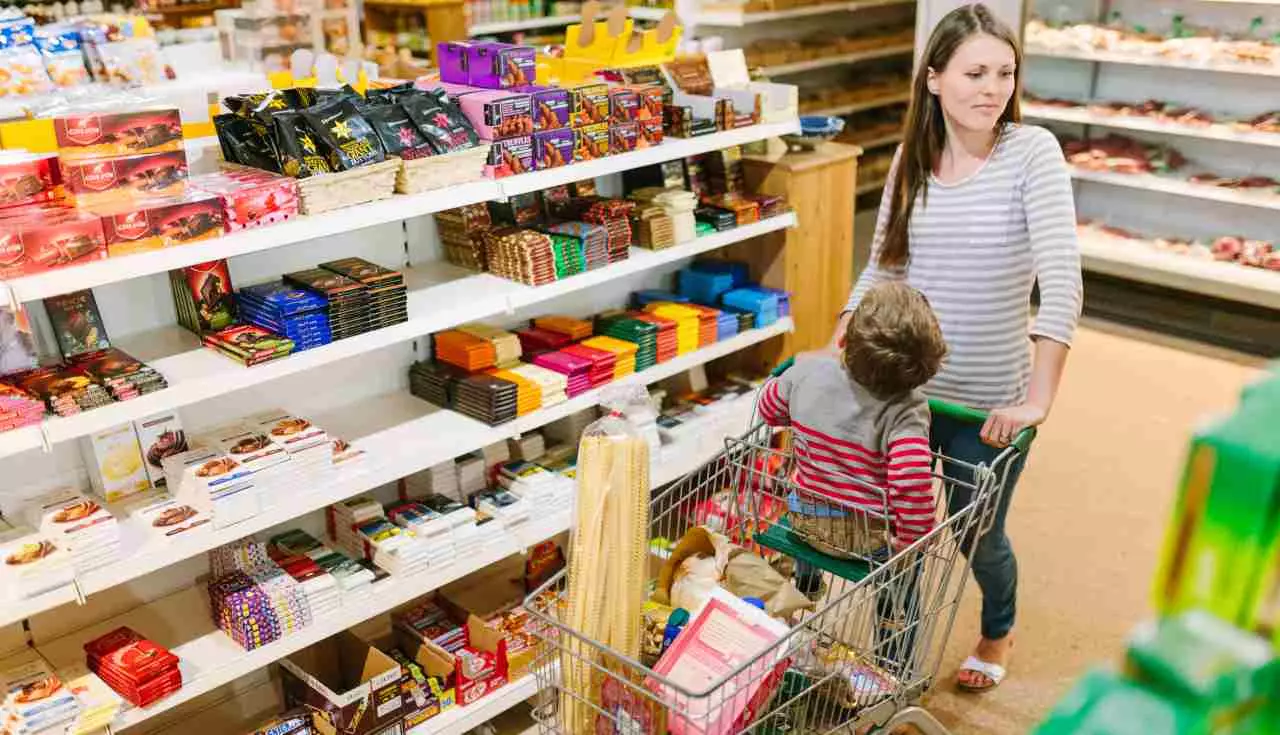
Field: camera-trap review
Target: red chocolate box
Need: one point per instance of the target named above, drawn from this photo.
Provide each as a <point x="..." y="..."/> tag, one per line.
<point x="105" y="134"/>
<point x="251" y="198"/>
<point x="29" y="179"/>
<point x="110" y="180"/>
<point x="41" y="243"/>
<point x="159" y="223"/>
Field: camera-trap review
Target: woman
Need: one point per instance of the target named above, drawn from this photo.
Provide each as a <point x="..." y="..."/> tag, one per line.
<point x="978" y="208"/>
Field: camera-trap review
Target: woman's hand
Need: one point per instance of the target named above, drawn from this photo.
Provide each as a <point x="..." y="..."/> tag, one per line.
<point x="1003" y="424"/>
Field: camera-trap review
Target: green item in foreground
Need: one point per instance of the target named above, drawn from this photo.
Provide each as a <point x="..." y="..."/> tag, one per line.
<point x="1102" y="703"/>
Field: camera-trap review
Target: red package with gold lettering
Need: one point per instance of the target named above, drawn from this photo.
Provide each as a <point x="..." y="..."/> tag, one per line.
<point x="27" y="178"/>
<point x="49" y="239"/>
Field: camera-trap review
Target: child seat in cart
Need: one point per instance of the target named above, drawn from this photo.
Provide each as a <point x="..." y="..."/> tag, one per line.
<point x="858" y="661"/>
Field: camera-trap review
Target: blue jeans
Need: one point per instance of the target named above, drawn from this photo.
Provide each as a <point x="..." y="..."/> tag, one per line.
<point x="994" y="566"/>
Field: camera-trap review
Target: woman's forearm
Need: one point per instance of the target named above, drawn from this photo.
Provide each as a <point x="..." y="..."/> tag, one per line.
<point x="1048" y="362"/>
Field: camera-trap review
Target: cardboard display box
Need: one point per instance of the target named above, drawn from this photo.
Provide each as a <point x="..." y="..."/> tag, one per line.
<point x="350" y="687"/>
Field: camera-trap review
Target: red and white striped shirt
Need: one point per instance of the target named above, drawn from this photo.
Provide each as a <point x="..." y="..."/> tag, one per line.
<point x="853" y="448"/>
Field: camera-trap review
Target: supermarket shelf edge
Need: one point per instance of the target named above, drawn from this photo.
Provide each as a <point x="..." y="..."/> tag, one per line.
<point x="1179" y="187"/>
<point x="853" y="58"/>
<point x="732" y="19"/>
<point x="871" y="104"/>
<point x="1218" y="131"/>
<point x="1111" y="57"/>
<point x="527" y="24"/>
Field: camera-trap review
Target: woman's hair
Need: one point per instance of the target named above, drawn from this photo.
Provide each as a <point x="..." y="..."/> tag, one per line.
<point x="925" y="133"/>
<point x="893" y="344"/>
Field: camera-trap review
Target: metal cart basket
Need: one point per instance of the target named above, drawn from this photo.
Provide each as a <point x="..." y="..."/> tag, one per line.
<point x="861" y="659"/>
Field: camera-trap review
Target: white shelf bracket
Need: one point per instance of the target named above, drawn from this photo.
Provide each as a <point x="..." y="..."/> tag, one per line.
<point x="45" y="445"/>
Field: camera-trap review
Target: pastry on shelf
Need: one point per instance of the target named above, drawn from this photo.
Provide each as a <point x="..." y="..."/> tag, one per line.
<point x="1119" y="154"/>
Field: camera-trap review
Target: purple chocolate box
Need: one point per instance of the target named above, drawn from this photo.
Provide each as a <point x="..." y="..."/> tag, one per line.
<point x="500" y="65"/>
<point x="511" y="157"/>
<point x="550" y="107"/>
<point x="552" y="148"/>
<point x="452" y="58"/>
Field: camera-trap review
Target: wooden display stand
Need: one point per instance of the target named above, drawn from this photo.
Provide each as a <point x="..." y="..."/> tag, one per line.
<point x="814" y="260"/>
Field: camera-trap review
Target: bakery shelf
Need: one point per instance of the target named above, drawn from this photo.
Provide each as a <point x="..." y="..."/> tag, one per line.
<point x="1137" y="261"/>
<point x="1111" y="57"/>
<point x="671" y="149"/>
<point x="393" y="209"/>
<point x="210" y="659"/>
<point x="441" y="296"/>
<point x="1180" y="187"/>
<point x="400" y="434"/>
<point x="871" y="104"/>
<point x="528" y="24"/>
<point x="798" y="67"/>
<point x="1217" y="131"/>
<point x="736" y="19"/>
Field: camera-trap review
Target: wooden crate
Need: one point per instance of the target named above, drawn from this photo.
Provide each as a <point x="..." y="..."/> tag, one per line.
<point x="437" y="172"/>
<point x="326" y="192"/>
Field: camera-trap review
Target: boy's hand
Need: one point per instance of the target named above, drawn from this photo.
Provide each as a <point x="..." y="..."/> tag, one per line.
<point x="1003" y="424"/>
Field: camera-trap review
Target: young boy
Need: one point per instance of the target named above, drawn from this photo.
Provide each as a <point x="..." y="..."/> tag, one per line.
<point x="860" y="427"/>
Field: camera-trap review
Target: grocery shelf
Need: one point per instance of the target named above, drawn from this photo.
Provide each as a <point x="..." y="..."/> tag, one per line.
<point x="671" y="149"/>
<point x="347" y="219"/>
<point x="864" y="105"/>
<point x="738" y="18"/>
<point x="876" y="142"/>
<point x="16" y="610"/>
<point x="1136" y="261"/>
<point x="440" y="296"/>
<point x="1216" y="131"/>
<point x="15" y="441"/>
<point x="399" y="433"/>
<point x="1181" y="187"/>
<point x="459" y="720"/>
<point x="210" y="659"/>
<point x="527" y="24"/>
<point x="1112" y="57"/>
<point x="798" y="67"/>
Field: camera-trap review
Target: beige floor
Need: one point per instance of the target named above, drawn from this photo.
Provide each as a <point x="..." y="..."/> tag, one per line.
<point x="1089" y="516"/>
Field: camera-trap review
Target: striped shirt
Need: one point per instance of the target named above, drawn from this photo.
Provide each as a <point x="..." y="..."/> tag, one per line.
<point x="853" y="448"/>
<point x="976" y="249"/>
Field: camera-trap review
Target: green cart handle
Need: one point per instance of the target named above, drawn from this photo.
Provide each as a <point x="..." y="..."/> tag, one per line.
<point x="1021" y="442"/>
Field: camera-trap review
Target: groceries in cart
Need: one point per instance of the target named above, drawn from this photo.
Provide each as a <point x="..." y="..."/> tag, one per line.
<point x="860" y="478"/>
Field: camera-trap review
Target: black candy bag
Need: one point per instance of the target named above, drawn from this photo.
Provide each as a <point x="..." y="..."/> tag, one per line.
<point x="244" y="104"/>
<point x="390" y="95"/>
<point x="246" y="141"/>
<point x="399" y="136"/>
<point x="301" y="155"/>
<point x="349" y="137"/>
<point x="443" y="124"/>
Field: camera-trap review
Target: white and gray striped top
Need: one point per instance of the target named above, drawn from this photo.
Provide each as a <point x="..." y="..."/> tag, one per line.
<point x="976" y="249"/>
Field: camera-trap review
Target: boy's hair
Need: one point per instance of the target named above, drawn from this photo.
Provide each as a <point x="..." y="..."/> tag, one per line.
<point x="893" y="343"/>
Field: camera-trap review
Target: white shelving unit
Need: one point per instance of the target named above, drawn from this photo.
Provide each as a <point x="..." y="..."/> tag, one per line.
<point x="1171" y="205"/>
<point x="871" y="104"/>
<point x="739" y="18"/>
<point x="355" y="388"/>
<point x="1215" y="132"/>
<point x="440" y="296"/>
<point x="1139" y="262"/>
<point x="527" y="24"/>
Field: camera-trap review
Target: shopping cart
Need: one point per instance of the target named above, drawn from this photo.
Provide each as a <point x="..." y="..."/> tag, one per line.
<point x="861" y="660"/>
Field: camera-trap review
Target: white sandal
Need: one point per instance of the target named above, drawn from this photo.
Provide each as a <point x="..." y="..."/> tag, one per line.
<point x="995" y="673"/>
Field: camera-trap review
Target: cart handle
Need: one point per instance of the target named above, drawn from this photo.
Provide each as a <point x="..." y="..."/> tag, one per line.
<point x="1021" y="442"/>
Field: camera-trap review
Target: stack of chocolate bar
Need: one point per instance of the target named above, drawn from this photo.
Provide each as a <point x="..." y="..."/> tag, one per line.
<point x="575" y="369"/>
<point x="708" y="324"/>
<point x="242" y="610"/>
<point x="528" y="394"/>
<point x="434" y="382"/>
<point x="771" y="205"/>
<point x="462" y="234"/>
<point x="615" y="215"/>
<point x="347" y="300"/>
<point x="388" y="300"/>
<point x="34" y="698"/>
<point x="602" y="362"/>
<point x="486" y="398"/>
<point x="720" y="219"/>
<point x="745" y="210"/>
<point x="654" y="228"/>
<point x="552" y="386"/>
<point x="65" y="391"/>
<point x="521" y="255"/>
<point x="204" y="296"/>
<point x="136" y="668"/>
<point x="626" y="327"/>
<point x="254" y="600"/>
<point x="624" y="351"/>
<point x="536" y="340"/>
<point x="249" y="344"/>
<point x="122" y="375"/>
<point x="464" y="350"/>
<point x="668" y="344"/>
<point x="18" y="408"/>
<point x="574" y="329"/>
<point x="506" y="345"/>
<point x="590" y="240"/>
<point x="296" y="313"/>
